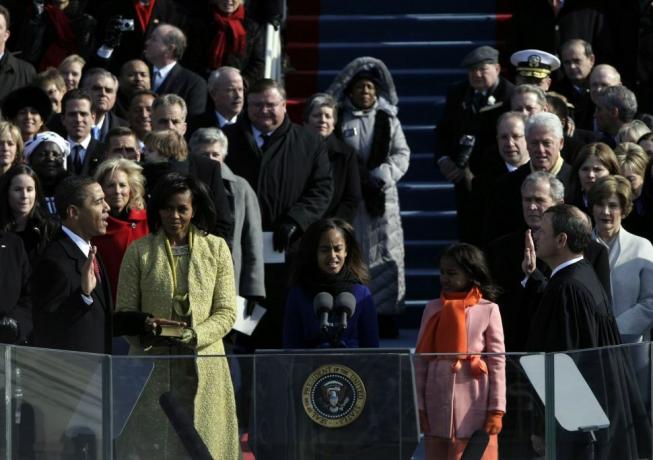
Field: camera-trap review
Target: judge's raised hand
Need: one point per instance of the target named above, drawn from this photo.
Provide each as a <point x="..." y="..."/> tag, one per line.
<point x="89" y="281"/>
<point x="529" y="263"/>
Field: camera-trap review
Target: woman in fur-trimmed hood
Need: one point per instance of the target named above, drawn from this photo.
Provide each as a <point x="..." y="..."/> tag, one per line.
<point x="368" y="123"/>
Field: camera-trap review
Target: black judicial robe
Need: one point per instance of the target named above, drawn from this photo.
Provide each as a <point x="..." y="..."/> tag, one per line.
<point x="575" y="314"/>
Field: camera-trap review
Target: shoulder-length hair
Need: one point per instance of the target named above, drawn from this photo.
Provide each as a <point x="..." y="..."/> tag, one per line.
<point x="11" y="130"/>
<point x="172" y="184"/>
<point x="306" y="265"/>
<point x="472" y="262"/>
<point x="38" y="216"/>
<point x="134" y="177"/>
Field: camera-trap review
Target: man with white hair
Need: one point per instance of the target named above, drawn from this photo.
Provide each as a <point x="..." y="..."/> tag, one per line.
<point x="226" y="89"/>
<point x="544" y="141"/>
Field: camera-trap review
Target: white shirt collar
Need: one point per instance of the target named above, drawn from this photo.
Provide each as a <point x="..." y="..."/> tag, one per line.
<point x="83" y="246"/>
<point x="257" y="135"/>
<point x="164" y="71"/>
<point x="222" y="121"/>
<point x="510" y="167"/>
<point x="84" y="143"/>
<point x="565" y="264"/>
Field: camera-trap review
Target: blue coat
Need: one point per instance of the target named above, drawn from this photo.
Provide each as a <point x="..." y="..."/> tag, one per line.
<point x="302" y="326"/>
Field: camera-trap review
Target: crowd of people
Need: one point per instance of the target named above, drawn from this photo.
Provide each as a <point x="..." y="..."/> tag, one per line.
<point x="149" y="174"/>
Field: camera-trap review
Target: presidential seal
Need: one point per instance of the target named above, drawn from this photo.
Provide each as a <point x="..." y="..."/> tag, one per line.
<point x="333" y="396"/>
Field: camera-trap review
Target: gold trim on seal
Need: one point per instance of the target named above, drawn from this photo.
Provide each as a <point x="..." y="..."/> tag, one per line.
<point x="333" y="396"/>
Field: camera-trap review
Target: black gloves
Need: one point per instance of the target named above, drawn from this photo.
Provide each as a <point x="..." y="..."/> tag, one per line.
<point x="115" y="27"/>
<point x="283" y="235"/>
<point x="9" y="330"/>
<point x="373" y="195"/>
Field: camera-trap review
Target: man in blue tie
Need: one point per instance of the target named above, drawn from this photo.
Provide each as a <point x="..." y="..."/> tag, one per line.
<point x="78" y="119"/>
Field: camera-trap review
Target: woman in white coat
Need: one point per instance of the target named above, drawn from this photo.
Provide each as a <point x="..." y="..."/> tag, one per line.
<point x="631" y="268"/>
<point x="368" y="122"/>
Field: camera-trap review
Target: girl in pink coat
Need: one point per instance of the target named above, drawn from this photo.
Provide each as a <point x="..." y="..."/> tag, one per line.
<point x="461" y="392"/>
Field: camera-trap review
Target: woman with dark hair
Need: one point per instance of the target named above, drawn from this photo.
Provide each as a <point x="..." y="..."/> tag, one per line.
<point x="594" y="161"/>
<point x="11" y="146"/>
<point x="124" y="191"/>
<point x="329" y="261"/>
<point x="461" y="392"/>
<point x="321" y="116"/>
<point x="182" y="272"/>
<point x="368" y="123"/>
<point x="21" y="211"/>
<point x="29" y="108"/>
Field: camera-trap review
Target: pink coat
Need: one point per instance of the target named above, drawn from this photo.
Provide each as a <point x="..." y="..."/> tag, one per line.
<point x="457" y="404"/>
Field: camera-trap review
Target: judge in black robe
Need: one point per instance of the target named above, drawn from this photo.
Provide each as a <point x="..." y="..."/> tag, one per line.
<point x="575" y="314"/>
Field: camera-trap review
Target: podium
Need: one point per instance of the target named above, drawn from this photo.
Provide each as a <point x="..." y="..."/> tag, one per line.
<point x="334" y="404"/>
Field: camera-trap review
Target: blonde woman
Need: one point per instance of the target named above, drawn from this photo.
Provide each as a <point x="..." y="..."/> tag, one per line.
<point x="124" y="188"/>
<point x="11" y="146"/>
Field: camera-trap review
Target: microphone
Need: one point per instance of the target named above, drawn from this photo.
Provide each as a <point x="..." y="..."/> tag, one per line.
<point x="323" y="304"/>
<point x="345" y="308"/>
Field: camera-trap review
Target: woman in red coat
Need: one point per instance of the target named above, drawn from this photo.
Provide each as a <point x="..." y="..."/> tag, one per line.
<point x="124" y="190"/>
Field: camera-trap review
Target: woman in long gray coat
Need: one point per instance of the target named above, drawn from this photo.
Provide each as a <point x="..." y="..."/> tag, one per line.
<point x="368" y="123"/>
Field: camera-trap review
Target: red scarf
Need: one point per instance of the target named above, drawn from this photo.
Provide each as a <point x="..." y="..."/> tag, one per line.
<point x="64" y="43"/>
<point x="144" y="13"/>
<point x="230" y="37"/>
<point x="446" y="331"/>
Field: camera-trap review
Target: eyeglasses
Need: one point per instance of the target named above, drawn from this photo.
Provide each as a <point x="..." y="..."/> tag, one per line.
<point x="265" y="105"/>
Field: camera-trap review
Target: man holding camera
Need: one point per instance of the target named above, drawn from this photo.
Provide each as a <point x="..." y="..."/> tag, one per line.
<point x="467" y="130"/>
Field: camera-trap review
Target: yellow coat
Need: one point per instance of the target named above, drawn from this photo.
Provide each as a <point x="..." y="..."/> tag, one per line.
<point x="146" y="284"/>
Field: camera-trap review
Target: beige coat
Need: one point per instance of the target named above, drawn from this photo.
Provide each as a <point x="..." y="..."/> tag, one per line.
<point x="145" y="284"/>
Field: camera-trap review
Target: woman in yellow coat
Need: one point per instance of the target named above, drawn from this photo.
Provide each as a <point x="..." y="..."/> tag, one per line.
<point x="181" y="272"/>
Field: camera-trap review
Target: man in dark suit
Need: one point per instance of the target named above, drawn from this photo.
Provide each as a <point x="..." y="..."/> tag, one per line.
<point x="544" y="140"/>
<point x="468" y="128"/>
<point x="71" y="297"/>
<point x="78" y="118"/>
<point x="102" y="85"/>
<point x="163" y="49"/>
<point x="519" y="299"/>
<point x="226" y="89"/>
<point x="578" y="60"/>
<point x="14" y="72"/>
<point x="288" y="167"/>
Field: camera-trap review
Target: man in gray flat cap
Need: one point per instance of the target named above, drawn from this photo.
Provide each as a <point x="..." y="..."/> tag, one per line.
<point x="467" y="131"/>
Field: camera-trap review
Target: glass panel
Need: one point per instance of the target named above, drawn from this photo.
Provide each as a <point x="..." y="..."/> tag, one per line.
<point x="603" y="400"/>
<point x="59" y="404"/>
<point x="457" y="395"/>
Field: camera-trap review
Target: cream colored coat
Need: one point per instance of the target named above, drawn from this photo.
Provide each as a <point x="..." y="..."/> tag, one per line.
<point x="145" y="284"/>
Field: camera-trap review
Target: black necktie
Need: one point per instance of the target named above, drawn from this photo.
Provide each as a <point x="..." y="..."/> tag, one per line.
<point x="477" y="101"/>
<point x="266" y="141"/>
<point x="77" y="159"/>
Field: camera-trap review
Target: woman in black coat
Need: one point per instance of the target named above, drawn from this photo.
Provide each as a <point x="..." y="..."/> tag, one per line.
<point x="321" y="116"/>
